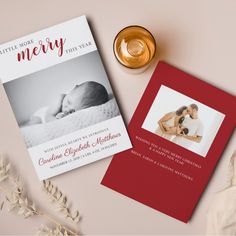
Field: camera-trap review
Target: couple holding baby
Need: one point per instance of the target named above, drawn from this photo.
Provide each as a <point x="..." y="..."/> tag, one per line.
<point x="182" y="127"/>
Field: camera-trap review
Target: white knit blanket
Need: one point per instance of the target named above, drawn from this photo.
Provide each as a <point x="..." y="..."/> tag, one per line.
<point x="41" y="133"/>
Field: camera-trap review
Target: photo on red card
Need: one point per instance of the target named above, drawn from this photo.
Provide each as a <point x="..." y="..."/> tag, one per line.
<point x="183" y="120"/>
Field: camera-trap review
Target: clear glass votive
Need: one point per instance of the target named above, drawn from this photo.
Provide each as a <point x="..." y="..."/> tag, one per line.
<point x="134" y="48"/>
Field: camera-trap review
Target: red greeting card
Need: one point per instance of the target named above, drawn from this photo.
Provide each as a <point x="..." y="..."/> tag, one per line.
<point x="178" y="132"/>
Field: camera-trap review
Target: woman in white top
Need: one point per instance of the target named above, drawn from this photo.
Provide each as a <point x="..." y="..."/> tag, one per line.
<point x="171" y="119"/>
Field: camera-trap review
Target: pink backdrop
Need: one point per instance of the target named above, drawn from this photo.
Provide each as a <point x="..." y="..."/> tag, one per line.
<point x="197" y="36"/>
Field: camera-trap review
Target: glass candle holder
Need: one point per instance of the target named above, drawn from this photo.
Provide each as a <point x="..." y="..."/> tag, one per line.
<point x="134" y="48"/>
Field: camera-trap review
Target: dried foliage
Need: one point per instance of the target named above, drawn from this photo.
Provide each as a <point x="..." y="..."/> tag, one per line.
<point x="55" y="195"/>
<point x="4" y="174"/>
<point x="20" y="203"/>
<point x="1" y="205"/>
<point x="4" y="169"/>
<point x="58" y="231"/>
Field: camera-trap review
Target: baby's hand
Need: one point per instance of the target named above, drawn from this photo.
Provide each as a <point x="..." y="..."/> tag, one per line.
<point x="56" y="104"/>
<point x="61" y="115"/>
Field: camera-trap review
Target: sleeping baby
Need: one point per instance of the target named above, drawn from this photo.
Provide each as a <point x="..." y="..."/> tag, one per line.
<point x="179" y="129"/>
<point x="82" y="96"/>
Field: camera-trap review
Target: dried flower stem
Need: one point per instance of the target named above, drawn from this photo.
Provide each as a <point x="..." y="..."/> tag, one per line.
<point x="48" y="217"/>
<point x="57" y="223"/>
<point x="17" y="200"/>
<point x="57" y="196"/>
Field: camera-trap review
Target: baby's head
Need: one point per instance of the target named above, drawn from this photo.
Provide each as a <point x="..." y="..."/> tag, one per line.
<point x="184" y="130"/>
<point x="85" y="95"/>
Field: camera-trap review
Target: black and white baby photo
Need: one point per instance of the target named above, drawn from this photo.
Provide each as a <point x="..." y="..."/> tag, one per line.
<point x="62" y="99"/>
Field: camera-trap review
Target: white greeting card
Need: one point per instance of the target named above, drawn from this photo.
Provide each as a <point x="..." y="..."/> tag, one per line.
<point x="61" y="98"/>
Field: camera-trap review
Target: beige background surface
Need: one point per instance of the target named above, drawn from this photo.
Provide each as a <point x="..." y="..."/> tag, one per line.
<point x="197" y="36"/>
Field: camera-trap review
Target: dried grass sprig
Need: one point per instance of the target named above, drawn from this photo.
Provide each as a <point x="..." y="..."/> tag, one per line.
<point x="1" y="205"/>
<point x="4" y="169"/>
<point x="55" y="195"/>
<point x="58" y="231"/>
<point x="19" y="202"/>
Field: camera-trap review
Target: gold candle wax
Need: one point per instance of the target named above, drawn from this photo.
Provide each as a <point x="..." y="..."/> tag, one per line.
<point x="134" y="47"/>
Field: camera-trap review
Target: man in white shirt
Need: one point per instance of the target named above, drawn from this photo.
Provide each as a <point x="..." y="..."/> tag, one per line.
<point x="194" y="126"/>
